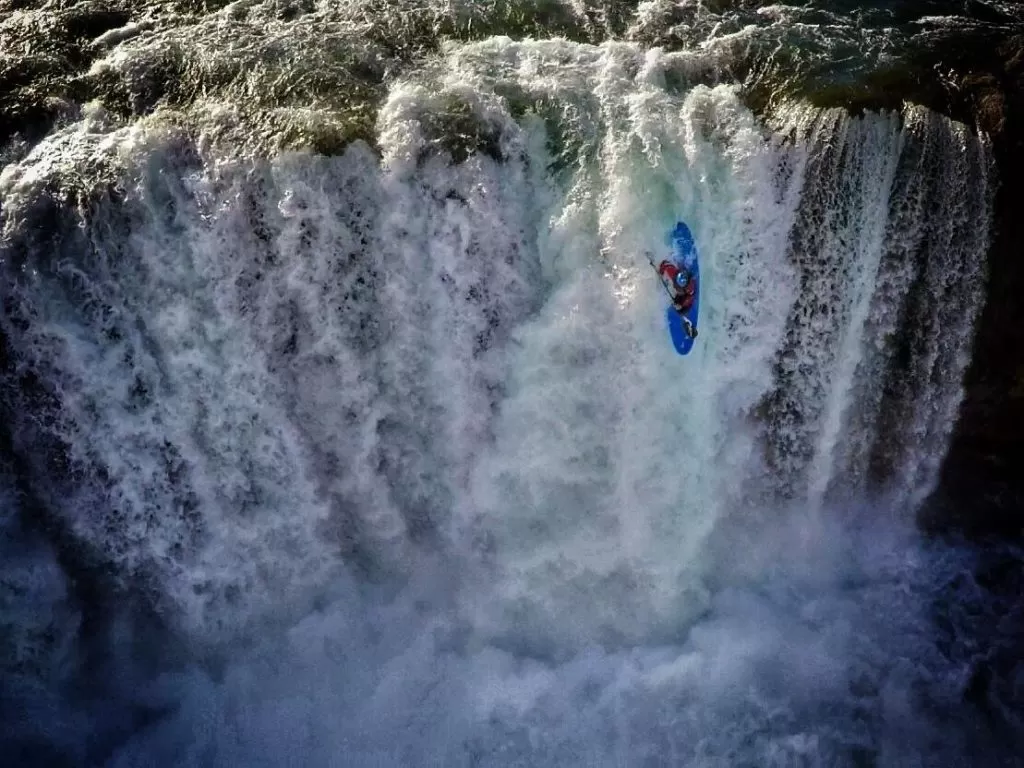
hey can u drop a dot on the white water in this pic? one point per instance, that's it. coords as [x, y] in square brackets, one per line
[455, 381]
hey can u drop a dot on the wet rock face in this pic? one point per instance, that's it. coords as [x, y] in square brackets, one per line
[982, 488]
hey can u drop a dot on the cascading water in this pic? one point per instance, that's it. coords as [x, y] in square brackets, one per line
[417, 402]
[888, 237]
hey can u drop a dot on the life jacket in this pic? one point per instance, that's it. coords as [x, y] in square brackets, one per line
[683, 285]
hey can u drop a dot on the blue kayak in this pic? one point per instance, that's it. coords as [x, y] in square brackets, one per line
[684, 256]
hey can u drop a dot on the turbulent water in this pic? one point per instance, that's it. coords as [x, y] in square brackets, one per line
[384, 457]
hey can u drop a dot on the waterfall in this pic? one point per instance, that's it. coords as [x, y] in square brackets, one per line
[439, 366]
[258, 371]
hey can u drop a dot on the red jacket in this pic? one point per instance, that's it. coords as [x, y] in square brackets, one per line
[683, 296]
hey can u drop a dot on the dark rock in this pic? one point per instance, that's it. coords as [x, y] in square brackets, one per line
[982, 485]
